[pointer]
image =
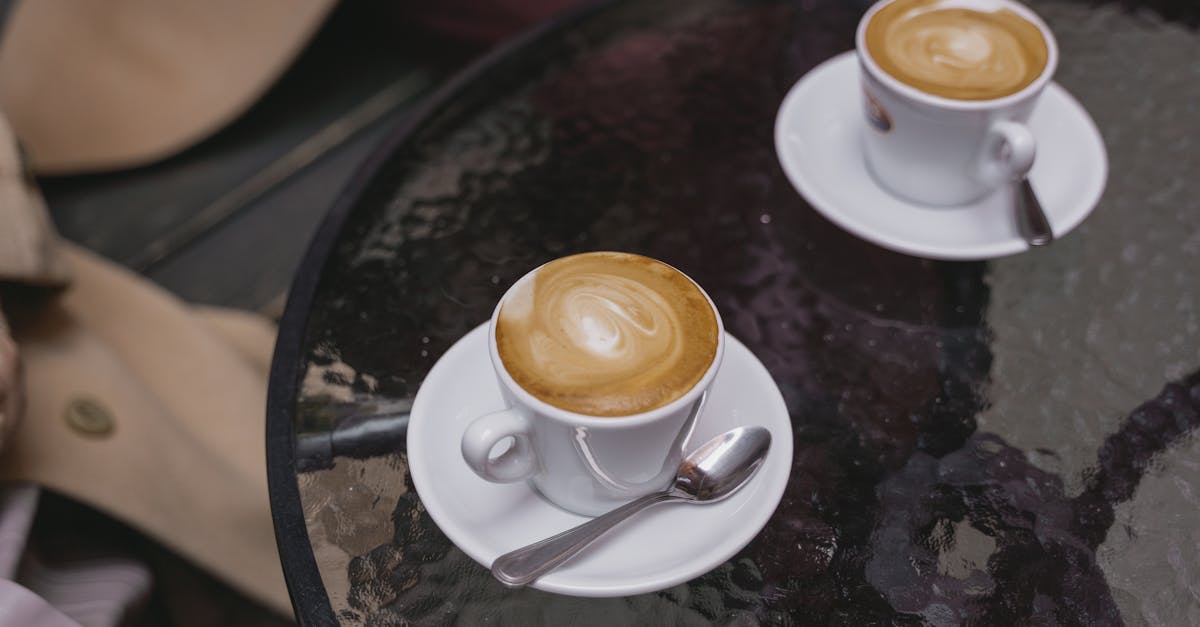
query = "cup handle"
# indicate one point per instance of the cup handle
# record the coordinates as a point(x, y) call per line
point(1008, 152)
point(516, 463)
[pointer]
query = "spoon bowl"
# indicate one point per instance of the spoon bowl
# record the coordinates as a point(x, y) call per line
point(720, 466)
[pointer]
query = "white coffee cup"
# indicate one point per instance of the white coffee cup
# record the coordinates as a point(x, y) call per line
point(584, 464)
point(940, 151)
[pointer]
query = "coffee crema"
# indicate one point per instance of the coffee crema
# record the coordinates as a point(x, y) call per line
point(606, 334)
point(954, 50)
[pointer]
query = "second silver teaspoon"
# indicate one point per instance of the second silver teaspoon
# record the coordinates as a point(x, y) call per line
point(711, 473)
point(1031, 219)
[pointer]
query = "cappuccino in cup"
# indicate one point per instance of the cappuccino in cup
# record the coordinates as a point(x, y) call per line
point(606, 333)
point(948, 49)
point(948, 87)
point(604, 361)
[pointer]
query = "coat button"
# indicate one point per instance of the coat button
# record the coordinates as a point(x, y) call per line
point(89, 418)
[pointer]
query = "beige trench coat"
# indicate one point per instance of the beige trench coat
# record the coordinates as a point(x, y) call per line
point(134, 402)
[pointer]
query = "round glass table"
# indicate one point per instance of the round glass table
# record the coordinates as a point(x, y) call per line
point(1001, 442)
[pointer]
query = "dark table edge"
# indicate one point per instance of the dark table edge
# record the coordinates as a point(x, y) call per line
point(305, 588)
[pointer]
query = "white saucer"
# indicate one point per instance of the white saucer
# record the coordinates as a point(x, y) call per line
point(819, 146)
point(661, 547)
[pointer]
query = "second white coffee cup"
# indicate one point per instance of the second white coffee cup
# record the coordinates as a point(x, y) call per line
point(941, 151)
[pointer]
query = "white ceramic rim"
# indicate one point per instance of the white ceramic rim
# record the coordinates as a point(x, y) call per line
point(912, 93)
point(543, 408)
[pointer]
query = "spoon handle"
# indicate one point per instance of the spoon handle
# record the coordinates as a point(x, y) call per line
point(1031, 219)
point(519, 567)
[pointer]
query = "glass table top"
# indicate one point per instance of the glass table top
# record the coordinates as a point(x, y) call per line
point(1001, 442)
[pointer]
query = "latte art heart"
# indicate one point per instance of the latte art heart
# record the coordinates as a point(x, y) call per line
point(606, 334)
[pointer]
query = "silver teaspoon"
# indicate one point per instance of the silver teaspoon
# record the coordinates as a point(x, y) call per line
point(711, 473)
point(1031, 220)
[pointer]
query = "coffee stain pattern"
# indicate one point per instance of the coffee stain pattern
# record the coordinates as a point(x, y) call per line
point(1010, 442)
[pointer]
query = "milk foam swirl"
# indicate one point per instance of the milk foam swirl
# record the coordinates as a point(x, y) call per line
point(956, 52)
point(606, 333)
point(618, 321)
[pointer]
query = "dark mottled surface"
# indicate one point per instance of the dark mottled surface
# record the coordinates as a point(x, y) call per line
point(1010, 442)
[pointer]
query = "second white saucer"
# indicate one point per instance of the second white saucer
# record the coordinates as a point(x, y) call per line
point(818, 141)
point(662, 547)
